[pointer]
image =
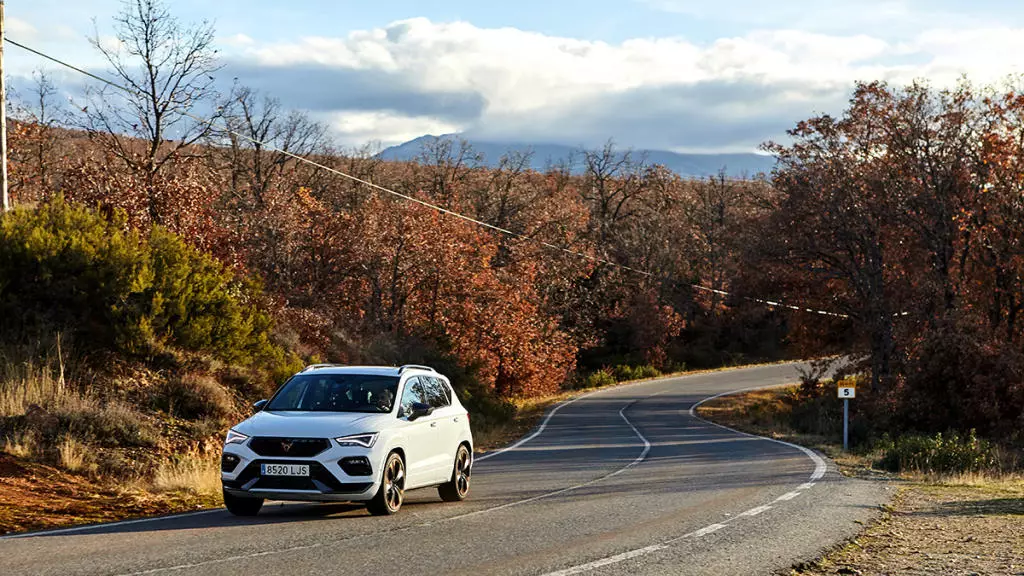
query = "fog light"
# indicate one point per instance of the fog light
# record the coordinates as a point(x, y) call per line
point(229, 462)
point(356, 466)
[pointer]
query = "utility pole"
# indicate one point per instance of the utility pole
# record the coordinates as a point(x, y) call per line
point(3, 116)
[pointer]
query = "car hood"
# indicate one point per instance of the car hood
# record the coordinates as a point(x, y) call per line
point(311, 424)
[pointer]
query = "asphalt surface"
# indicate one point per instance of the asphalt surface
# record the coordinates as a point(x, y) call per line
point(621, 481)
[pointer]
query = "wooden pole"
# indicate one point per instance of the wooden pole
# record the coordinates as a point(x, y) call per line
point(3, 117)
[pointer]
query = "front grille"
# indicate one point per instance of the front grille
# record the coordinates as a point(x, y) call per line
point(291, 447)
point(328, 483)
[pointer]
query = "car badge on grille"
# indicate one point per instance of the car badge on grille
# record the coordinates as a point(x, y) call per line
point(286, 445)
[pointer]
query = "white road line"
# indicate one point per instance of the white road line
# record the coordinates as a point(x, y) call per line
point(637, 460)
point(820, 467)
point(606, 561)
point(702, 532)
point(755, 511)
point(543, 425)
point(107, 525)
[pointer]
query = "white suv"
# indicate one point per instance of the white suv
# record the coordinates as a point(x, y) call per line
point(335, 433)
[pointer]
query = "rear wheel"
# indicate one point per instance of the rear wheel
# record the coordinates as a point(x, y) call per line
point(456, 489)
point(242, 506)
point(389, 496)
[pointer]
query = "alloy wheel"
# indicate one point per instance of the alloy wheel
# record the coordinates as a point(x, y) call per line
point(394, 483)
point(462, 471)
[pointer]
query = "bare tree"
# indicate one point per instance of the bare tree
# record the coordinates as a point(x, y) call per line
point(612, 181)
point(36, 139)
point(262, 140)
point(169, 69)
point(443, 166)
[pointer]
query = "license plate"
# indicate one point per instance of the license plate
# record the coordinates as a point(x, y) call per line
point(284, 469)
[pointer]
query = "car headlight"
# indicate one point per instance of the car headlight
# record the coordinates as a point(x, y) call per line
point(363, 440)
point(235, 437)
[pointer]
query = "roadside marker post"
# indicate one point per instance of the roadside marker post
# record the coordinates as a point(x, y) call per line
point(846, 392)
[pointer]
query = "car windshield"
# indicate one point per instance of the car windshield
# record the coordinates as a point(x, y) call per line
point(336, 393)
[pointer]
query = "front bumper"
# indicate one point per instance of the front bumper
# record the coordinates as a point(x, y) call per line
point(327, 481)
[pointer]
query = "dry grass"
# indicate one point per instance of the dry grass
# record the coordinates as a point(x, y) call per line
point(195, 473)
point(22, 385)
point(21, 444)
point(74, 456)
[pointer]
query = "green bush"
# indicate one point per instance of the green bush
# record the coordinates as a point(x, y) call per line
point(67, 268)
point(626, 373)
point(600, 378)
point(623, 373)
point(939, 454)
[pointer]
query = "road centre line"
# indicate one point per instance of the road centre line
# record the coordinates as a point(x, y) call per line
point(820, 467)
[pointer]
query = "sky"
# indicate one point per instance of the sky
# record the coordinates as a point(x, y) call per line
point(682, 75)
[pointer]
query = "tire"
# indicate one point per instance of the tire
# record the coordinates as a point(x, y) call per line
point(391, 492)
point(456, 489)
point(241, 506)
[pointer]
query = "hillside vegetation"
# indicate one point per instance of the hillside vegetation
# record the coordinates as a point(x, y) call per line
point(151, 287)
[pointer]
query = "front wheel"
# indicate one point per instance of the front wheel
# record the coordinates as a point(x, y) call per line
point(389, 496)
point(456, 489)
point(241, 506)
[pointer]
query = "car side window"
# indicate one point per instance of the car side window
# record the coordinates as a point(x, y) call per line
point(448, 392)
point(412, 394)
point(436, 394)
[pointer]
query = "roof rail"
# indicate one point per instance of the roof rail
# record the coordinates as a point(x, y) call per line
point(416, 366)
point(315, 366)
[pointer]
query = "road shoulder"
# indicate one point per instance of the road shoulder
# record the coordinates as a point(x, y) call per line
point(954, 526)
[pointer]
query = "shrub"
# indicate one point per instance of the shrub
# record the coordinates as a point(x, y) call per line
point(68, 268)
point(939, 454)
point(194, 397)
point(646, 371)
point(600, 378)
point(112, 424)
point(625, 373)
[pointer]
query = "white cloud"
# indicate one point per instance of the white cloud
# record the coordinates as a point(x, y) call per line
point(20, 30)
point(355, 128)
point(534, 85)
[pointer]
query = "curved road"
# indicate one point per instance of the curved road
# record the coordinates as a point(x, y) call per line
point(621, 481)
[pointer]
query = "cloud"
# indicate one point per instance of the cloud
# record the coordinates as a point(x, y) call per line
point(20, 29)
point(323, 88)
point(417, 76)
point(883, 17)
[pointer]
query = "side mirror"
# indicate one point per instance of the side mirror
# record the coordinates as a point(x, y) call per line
point(419, 410)
point(259, 405)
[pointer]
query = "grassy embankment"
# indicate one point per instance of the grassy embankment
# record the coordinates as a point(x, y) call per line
point(959, 508)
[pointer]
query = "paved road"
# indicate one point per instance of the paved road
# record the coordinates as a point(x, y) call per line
point(621, 481)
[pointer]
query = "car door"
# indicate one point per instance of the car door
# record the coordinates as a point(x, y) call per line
point(445, 418)
point(420, 437)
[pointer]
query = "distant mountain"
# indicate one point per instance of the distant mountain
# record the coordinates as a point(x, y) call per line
point(545, 155)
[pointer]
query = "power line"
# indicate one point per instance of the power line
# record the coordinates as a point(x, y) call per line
point(441, 209)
